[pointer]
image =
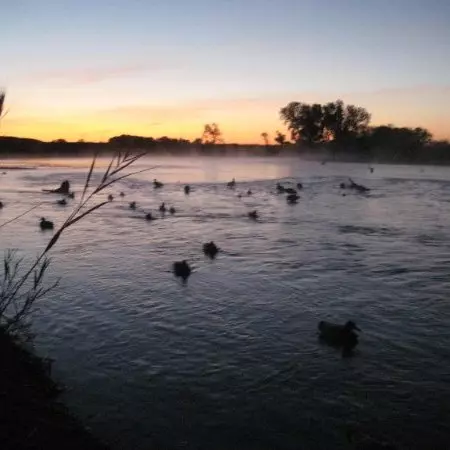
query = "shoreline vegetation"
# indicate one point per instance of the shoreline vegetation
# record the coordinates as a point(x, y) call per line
point(325, 132)
point(31, 415)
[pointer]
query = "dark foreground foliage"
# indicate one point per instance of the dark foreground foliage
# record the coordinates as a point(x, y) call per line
point(31, 417)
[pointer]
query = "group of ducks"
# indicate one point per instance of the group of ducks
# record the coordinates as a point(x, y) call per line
point(341, 336)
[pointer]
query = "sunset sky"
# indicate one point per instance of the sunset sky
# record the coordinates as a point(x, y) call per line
point(78, 69)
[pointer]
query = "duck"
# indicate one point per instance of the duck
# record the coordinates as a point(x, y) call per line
point(339, 335)
point(187, 189)
point(172, 210)
point(64, 188)
point(210, 249)
point(280, 189)
point(71, 195)
point(231, 184)
point(290, 191)
point(110, 198)
point(249, 192)
point(46, 224)
point(182, 269)
point(62, 202)
point(157, 184)
point(253, 214)
point(292, 198)
point(358, 187)
point(299, 186)
point(122, 194)
point(133, 205)
point(149, 216)
point(162, 207)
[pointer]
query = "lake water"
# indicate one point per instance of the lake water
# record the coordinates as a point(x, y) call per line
point(231, 360)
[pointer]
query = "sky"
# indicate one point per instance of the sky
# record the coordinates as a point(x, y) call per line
point(78, 69)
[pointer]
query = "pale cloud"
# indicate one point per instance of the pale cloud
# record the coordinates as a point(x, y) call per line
point(88, 75)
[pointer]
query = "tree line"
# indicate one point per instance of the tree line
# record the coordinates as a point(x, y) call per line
point(346, 129)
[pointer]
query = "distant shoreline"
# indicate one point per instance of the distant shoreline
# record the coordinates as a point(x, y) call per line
point(14, 148)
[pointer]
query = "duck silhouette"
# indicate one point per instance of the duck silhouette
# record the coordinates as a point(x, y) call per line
point(62, 202)
point(181, 269)
point(149, 216)
point(210, 249)
point(299, 186)
point(292, 198)
point(162, 207)
point(172, 210)
point(280, 189)
point(231, 184)
point(157, 184)
point(253, 214)
point(187, 189)
point(64, 188)
point(110, 198)
point(46, 224)
point(133, 205)
point(122, 194)
point(340, 336)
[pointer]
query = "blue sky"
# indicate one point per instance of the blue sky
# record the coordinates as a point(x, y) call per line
point(89, 69)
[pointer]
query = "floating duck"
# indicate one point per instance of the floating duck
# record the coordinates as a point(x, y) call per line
point(290, 191)
point(63, 189)
point(122, 194)
point(339, 335)
point(253, 214)
point(182, 269)
point(162, 207)
point(187, 189)
point(299, 186)
point(249, 192)
point(62, 202)
point(71, 195)
point(157, 184)
point(46, 224)
point(133, 205)
point(110, 198)
point(210, 249)
point(358, 187)
point(292, 198)
point(231, 184)
point(149, 216)
point(281, 189)
point(172, 210)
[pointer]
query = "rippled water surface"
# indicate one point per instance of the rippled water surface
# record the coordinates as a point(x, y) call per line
point(232, 359)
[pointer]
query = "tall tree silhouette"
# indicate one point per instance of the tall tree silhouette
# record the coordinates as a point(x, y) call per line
point(265, 137)
point(280, 138)
point(318, 123)
point(212, 134)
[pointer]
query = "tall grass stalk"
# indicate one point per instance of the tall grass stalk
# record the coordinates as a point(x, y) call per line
point(21, 285)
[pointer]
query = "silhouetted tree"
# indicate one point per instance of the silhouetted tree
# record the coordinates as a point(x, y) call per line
point(265, 137)
point(322, 123)
point(212, 134)
point(405, 142)
point(280, 138)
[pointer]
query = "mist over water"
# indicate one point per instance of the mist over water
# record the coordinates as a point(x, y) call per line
point(232, 359)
